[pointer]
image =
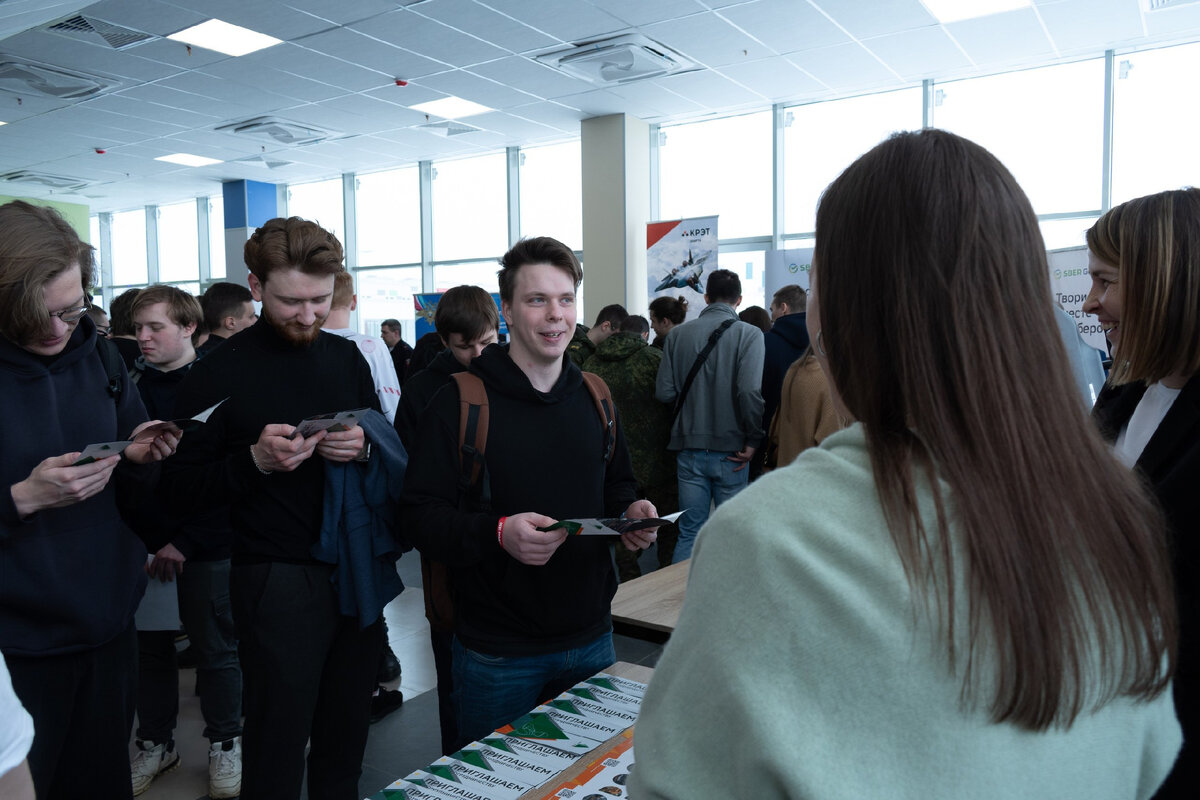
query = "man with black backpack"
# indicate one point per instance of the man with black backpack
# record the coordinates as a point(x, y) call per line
point(531, 605)
point(712, 372)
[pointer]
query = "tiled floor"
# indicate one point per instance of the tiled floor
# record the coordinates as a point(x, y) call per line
point(406, 740)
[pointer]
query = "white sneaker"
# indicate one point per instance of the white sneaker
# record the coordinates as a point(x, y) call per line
point(151, 761)
point(225, 769)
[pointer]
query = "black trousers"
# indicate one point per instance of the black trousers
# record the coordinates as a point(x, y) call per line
point(308, 672)
point(82, 709)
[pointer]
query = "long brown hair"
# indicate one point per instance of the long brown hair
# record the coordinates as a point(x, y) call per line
point(936, 315)
point(1154, 242)
point(36, 247)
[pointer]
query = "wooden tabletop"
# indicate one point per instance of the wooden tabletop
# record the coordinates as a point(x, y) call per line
point(652, 601)
point(621, 669)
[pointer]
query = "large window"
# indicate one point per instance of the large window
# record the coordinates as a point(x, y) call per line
point(216, 237)
point(1155, 122)
point(1060, 233)
point(470, 208)
point(129, 248)
point(1046, 125)
point(722, 167)
point(320, 202)
point(178, 248)
point(388, 218)
point(387, 294)
point(552, 193)
point(471, 273)
point(822, 139)
point(750, 266)
point(97, 251)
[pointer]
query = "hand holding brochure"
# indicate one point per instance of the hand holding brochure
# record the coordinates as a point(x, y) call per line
point(178, 425)
point(610, 526)
point(332, 422)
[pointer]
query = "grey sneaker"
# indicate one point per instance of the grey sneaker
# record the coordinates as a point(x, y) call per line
point(225, 769)
point(151, 761)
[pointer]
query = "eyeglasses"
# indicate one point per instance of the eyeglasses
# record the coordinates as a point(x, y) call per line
point(103, 330)
point(71, 315)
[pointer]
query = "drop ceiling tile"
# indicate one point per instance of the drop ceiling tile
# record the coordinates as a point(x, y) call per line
point(515, 129)
point(877, 18)
point(168, 51)
point(432, 39)
point(1173, 22)
point(653, 100)
point(358, 48)
point(1002, 38)
point(785, 25)
point(115, 119)
point(530, 76)
point(310, 64)
point(708, 39)
point(775, 78)
point(58, 51)
point(711, 90)
point(847, 67)
point(478, 90)
point(555, 115)
point(150, 16)
point(280, 83)
point(492, 26)
point(921, 53)
point(343, 13)
point(404, 96)
point(639, 12)
point(1085, 24)
point(596, 102)
point(566, 21)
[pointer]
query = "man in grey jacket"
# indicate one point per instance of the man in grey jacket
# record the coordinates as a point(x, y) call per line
point(718, 422)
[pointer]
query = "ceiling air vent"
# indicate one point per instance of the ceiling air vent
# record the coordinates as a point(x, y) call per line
point(97, 31)
point(622, 59)
point(43, 179)
point(24, 78)
point(278, 131)
point(448, 128)
point(264, 161)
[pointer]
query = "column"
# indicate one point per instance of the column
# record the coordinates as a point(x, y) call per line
point(248, 204)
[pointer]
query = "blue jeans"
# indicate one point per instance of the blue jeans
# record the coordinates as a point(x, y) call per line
point(705, 477)
point(490, 691)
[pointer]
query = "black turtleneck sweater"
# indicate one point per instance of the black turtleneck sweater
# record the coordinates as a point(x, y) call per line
point(267, 380)
point(545, 454)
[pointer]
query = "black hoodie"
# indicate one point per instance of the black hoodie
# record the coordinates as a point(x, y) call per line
point(545, 454)
point(70, 577)
point(419, 389)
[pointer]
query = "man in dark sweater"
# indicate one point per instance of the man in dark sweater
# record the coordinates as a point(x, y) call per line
point(227, 310)
point(192, 551)
point(532, 607)
point(467, 321)
point(784, 343)
point(308, 670)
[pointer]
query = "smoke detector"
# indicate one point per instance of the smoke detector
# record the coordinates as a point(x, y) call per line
point(43, 179)
point(97, 31)
point(279, 131)
point(621, 59)
point(25, 78)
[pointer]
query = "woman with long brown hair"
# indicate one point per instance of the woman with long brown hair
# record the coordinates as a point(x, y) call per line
point(960, 595)
point(1144, 260)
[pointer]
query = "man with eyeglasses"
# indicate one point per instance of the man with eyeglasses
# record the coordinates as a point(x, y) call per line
point(71, 571)
point(101, 319)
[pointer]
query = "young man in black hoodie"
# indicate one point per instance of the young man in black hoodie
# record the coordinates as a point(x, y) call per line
point(531, 607)
point(467, 322)
point(193, 552)
point(308, 670)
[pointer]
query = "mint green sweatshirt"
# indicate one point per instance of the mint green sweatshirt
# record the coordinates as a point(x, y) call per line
point(800, 669)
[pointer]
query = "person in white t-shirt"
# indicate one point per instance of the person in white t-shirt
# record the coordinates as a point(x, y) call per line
point(16, 737)
point(1144, 261)
point(374, 350)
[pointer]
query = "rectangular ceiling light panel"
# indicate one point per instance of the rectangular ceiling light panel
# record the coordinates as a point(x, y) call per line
point(222, 37)
point(958, 10)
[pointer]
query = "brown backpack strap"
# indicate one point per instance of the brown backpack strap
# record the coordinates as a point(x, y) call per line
point(472, 429)
point(605, 408)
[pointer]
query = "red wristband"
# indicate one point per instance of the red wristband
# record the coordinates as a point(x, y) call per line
point(500, 531)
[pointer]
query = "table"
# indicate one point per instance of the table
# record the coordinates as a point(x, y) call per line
point(621, 669)
point(648, 607)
